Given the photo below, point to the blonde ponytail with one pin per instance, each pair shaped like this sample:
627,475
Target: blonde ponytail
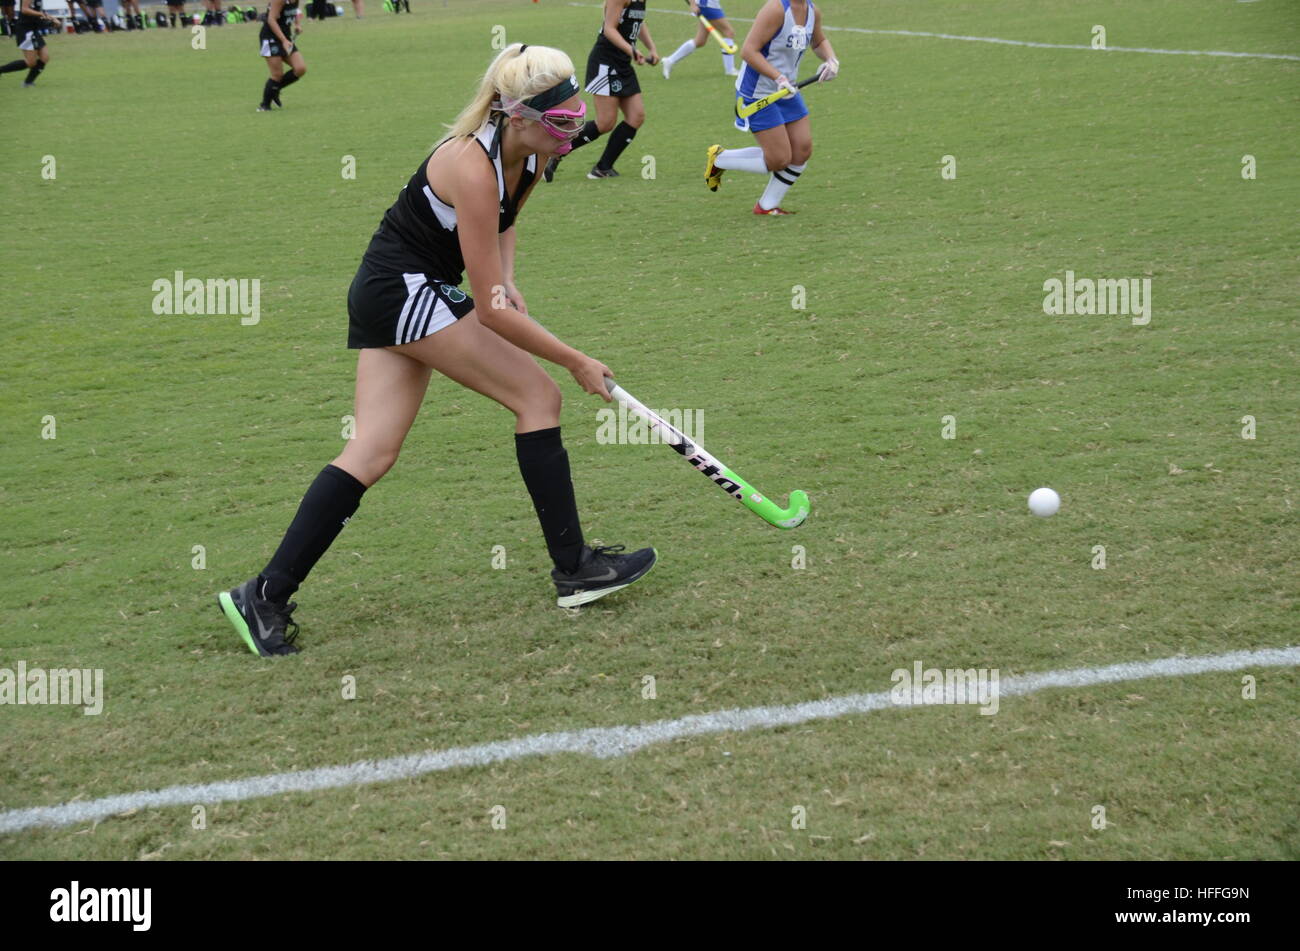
519,73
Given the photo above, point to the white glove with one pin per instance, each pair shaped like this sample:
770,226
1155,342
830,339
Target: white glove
829,70
783,83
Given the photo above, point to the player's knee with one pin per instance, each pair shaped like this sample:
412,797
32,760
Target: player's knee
376,463
802,154
368,462
300,70
605,126
538,407
636,119
547,400
777,160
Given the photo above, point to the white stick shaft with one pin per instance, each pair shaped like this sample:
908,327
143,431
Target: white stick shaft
693,452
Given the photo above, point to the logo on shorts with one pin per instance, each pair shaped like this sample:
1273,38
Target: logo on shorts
453,294
616,86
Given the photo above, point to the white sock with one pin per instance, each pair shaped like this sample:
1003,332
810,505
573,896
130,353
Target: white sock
743,160
778,185
728,62
683,51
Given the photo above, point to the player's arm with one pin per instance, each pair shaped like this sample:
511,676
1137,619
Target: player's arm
766,25
649,44
476,199
613,11
821,47
32,12
475,195
507,241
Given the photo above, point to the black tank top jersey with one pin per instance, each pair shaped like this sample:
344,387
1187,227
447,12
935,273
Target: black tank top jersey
420,231
286,18
629,27
26,19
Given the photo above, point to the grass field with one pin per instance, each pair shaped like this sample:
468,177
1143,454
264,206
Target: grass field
924,300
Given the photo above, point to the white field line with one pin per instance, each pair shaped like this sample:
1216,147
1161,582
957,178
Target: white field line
604,742
998,40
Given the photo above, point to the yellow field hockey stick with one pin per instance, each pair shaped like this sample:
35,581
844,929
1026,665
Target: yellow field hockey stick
728,46
745,111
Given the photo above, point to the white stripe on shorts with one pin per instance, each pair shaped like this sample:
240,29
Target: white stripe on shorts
29,41
415,285
439,318
598,85
420,315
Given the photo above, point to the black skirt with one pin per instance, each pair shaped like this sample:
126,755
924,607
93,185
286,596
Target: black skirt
610,74
386,308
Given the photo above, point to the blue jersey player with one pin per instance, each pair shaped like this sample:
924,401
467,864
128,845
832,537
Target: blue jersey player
712,11
782,32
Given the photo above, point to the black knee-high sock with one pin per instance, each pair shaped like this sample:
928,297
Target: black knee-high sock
268,91
288,79
324,510
13,66
34,72
545,467
590,132
619,140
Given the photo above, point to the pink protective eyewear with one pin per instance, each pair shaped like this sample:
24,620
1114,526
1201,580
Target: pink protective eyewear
562,124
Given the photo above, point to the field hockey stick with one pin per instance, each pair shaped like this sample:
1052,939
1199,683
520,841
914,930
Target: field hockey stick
745,111
728,45
726,479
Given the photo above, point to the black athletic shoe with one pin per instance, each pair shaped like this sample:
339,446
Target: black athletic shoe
548,173
598,172
261,623
601,571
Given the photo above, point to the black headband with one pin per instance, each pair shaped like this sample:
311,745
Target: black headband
550,98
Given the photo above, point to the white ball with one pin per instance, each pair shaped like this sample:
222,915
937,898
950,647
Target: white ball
1044,502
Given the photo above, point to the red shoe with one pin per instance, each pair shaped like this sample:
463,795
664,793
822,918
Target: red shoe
760,210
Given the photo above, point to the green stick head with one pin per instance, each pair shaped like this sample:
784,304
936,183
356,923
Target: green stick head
789,517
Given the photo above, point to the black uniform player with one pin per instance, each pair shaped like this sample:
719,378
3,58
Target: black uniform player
278,47
31,20
408,317
613,81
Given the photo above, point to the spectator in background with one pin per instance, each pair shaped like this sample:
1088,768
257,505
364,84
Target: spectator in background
95,15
